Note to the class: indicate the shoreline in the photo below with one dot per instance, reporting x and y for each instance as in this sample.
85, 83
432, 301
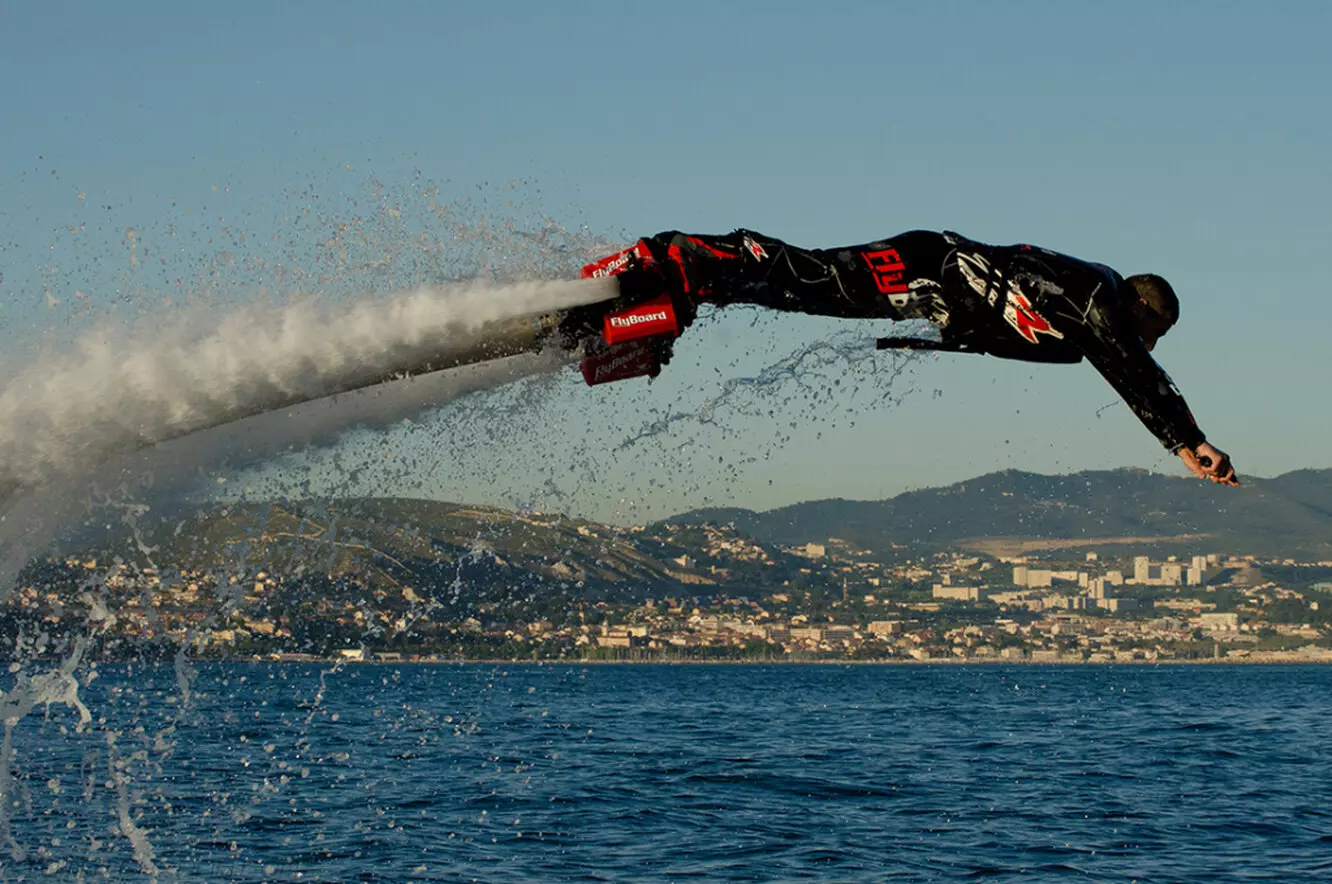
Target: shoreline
1275, 658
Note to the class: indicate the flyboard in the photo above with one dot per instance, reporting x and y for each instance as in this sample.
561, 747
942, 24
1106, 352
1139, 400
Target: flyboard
615, 336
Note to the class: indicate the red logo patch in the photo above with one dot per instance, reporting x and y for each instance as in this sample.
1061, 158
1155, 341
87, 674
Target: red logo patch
1020, 314
611, 265
889, 271
655, 317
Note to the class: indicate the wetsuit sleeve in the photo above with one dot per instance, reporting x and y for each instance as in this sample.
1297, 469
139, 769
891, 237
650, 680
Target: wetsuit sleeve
1113, 346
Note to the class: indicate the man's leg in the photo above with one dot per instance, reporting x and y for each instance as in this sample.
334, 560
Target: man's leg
879, 280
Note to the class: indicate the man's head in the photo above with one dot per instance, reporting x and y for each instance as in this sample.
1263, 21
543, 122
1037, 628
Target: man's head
1155, 309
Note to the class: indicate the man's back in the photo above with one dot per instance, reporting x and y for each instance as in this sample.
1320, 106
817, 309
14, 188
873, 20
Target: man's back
1028, 303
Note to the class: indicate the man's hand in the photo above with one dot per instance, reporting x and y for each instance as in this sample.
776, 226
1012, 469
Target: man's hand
1207, 462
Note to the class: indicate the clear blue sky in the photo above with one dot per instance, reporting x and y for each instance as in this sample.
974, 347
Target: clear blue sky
1188, 138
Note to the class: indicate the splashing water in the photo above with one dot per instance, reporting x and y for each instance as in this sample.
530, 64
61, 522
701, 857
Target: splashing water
849, 352
112, 419
57, 685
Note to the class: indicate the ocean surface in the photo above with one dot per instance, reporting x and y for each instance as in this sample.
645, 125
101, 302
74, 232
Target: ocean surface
539, 773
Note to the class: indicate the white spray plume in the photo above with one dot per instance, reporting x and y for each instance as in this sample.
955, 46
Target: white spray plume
118, 389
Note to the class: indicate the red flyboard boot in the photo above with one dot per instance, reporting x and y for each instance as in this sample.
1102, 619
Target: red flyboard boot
631, 359
657, 282
646, 318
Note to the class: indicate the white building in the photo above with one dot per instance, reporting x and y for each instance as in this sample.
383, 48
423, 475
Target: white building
958, 593
1117, 605
1215, 622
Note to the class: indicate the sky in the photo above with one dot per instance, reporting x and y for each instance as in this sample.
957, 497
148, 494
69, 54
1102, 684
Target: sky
1188, 139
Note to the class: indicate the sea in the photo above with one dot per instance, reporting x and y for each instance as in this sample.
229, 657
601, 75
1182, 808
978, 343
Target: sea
256, 772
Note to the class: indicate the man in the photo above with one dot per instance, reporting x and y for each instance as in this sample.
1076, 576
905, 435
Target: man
1014, 302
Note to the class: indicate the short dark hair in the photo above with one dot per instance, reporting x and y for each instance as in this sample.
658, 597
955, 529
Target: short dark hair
1156, 294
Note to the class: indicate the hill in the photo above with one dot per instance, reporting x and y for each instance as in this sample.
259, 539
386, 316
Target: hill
318, 575
1290, 515
394, 542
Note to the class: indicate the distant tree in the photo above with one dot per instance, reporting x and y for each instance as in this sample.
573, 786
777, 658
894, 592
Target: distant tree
1292, 610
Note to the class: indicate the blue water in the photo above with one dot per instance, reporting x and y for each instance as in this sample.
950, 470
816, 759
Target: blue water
674, 773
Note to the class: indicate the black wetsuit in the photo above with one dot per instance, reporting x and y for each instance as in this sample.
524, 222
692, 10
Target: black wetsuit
1015, 302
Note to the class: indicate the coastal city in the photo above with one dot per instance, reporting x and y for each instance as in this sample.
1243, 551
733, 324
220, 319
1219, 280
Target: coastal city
723, 598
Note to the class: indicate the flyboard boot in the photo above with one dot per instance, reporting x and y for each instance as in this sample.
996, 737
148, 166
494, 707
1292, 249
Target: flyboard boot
662, 281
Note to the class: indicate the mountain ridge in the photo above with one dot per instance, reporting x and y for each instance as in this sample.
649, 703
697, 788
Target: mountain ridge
386, 541
1290, 512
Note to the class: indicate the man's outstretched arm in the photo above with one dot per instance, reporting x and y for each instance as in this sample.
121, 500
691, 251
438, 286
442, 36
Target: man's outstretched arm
1121, 357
